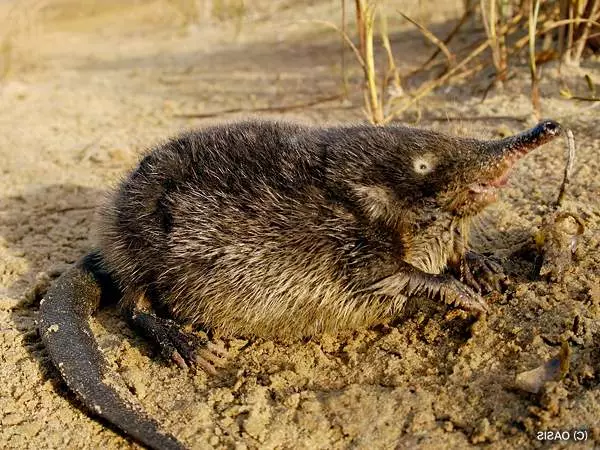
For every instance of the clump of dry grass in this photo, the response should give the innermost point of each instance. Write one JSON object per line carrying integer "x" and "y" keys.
{"x": 579, "y": 16}
{"x": 564, "y": 26}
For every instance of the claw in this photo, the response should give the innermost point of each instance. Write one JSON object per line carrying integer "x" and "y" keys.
{"x": 185, "y": 349}
{"x": 217, "y": 347}
{"x": 467, "y": 277}
{"x": 178, "y": 359}
{"x": 462, "y": 296}
{"x": 482, "y": 273}
{"x": 206, "y": 366}
{"x": 211, "y": 357}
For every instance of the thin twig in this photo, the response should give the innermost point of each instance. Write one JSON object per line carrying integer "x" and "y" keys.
{"x": 433, "y": 38}
{"x": 497, "y": 39}
{"x": 559, "y": 23}
{"x": 280, "y": 108}
{"x": 376, "y": 115}
{"x": 583, "y": 99}
{"x": 446, "y": 41}
{"x": 568, "y": 168}
{"x": 592, "y": 8}
{"x": 48, "y": 211}
{"x": 347, "y": 39}
{"x": 508, "y": 29}
{"x": 475, "y": 118}
{"x": 360, "y": 7}
{"x": 562, "y": 33}
{"x": 343, "y": 51}
{"x": 520, "y": 44}
{"x": 392, "y": 71}
{"x": 571, "y": 10}
{"x": 428, "y": 87}
{"x": 534, "y": 10}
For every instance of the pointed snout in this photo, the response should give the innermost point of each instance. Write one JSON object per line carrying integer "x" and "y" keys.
{"x": 543, "y": 132}
{"x": 497, "y": 157}
{"x": 549, "y": 127}
{"x": 528, "y": 140}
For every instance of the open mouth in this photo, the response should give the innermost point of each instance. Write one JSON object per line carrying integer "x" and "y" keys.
{"x": 502, "y": 180}
{"x": 496, "y": 167}
{"x": 480, "y": 195}
{"x": 491, "y": 186}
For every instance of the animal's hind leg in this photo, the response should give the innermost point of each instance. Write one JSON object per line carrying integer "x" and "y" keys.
{"x": 186, "y": 349}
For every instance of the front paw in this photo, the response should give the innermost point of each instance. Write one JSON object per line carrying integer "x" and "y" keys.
{"x": 456, "y": 293}
{"x": 482, "y": 273}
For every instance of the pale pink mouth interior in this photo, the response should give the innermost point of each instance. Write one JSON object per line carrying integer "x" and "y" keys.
{"x": 502, "y": 180}
{"x": 496, "y": 183}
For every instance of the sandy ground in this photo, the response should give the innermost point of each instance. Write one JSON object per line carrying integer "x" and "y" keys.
{"x": 85, "y": 90}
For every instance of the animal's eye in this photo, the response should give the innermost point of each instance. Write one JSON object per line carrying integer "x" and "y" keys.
{"x": 422, "y": 166}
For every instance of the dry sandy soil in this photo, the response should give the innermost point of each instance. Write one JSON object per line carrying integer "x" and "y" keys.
{"x": 85, "y": 90}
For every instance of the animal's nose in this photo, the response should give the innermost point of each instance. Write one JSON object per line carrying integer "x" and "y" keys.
{"x": 549, "y": 127}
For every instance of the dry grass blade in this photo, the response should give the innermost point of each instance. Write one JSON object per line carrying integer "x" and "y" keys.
{"x": 343, "y": 51}
{"x": 590, "y": 84}
{"x": 576, "y": 37}
{"x": 535, "y": 79}
{"x": 433, "y": 38}
{"x": 375, "y": 110}
{"x": 454, "y": 32}
{"x": 365, "y": 55}
{"x": 392, "y": 71}
{"x": 345, "y": 36}
{"x": 426, "y": 88}
{"x": 585, "y": 99}
{"x": 560, "y": 23}
{"x": 280, "y": 108}
{"x": 592, "y": 9}
{"x": 496, "y": 39}
{"x": 359, "y": 8}
{"x": 521, "y": 43}
{"x": 501, "y": 19}
{"x": 566, "y": 93}
{"x": 476, "y": 118}
{"x": 568, "y": 11}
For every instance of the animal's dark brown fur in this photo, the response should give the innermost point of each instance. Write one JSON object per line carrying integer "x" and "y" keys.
{"x": 278, "y": 229}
